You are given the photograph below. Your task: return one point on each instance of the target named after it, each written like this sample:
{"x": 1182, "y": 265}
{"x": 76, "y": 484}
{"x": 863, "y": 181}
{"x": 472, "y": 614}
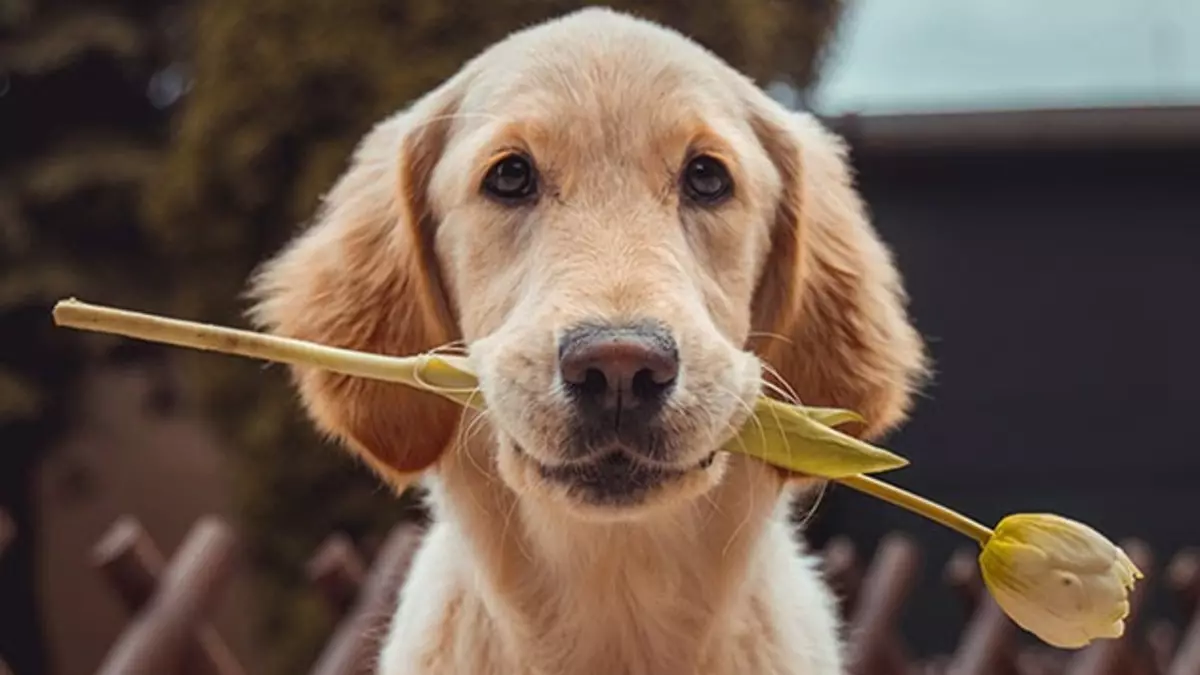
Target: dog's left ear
{"x": 830, "y": 308}
{"x": 364, "y": 276}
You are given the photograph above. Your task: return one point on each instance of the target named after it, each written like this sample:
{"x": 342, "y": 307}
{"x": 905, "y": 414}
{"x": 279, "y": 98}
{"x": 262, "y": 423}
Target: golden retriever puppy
{"x": 624, "y": 232}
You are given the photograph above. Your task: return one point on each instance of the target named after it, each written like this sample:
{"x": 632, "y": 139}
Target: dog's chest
{"x": 612, "y": 638}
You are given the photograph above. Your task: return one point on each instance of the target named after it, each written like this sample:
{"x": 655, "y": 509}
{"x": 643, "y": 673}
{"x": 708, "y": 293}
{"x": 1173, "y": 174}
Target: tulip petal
{"x": 1058, "y": 579}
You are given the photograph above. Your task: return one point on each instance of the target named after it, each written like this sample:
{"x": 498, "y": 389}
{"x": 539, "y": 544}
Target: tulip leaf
{"x": 802, "y": 440}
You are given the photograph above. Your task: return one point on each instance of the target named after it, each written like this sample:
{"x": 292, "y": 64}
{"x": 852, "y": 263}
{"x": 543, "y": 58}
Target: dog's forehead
{"x": 601, "y": 69}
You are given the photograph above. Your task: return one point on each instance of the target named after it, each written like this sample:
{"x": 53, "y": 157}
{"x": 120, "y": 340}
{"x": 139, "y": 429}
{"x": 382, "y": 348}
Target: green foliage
{"x": 70, "y": 184}
{"x": 78, "y": 140}
{"x": 282, "y": 91}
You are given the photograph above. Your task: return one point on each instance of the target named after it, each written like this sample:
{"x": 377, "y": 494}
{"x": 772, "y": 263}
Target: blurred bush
{"x": 80, "y": 136}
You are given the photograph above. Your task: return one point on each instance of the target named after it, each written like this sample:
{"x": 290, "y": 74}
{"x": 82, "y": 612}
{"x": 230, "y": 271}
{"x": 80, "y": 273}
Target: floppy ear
{"x": 364, "y": 277}
{"x": 830, "y": 291}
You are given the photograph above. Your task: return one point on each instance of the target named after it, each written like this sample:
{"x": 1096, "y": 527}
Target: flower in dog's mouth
{"x": 1057, "y": 578}
{"x": 801, "y": 440}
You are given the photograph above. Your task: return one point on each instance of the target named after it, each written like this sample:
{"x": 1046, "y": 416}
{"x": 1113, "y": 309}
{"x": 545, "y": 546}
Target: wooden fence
{"x": 168, "y": 599}
{"x": 7, "y": 533}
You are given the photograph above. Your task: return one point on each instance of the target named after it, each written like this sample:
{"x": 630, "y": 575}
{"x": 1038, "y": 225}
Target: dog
{"x": 629, "y": 237}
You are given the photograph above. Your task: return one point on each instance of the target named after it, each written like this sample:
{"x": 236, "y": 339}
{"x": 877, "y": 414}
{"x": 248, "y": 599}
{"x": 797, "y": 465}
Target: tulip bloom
{"x": 1058, "y": 579}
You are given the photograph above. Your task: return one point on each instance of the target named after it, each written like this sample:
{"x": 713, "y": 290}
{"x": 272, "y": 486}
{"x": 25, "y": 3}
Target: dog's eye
{"x": 706, "y": 180}
{"x": 511, "y": 179}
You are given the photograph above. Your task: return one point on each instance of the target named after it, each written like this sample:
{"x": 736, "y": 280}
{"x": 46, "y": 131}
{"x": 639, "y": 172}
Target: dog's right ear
{"x": 365, "y": 277}
{"x": 831, "y": 290}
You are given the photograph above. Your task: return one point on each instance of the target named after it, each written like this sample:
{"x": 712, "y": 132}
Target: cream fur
{"x": 516, "y": 577}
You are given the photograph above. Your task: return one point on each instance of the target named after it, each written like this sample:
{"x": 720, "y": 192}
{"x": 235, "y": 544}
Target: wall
{"x": 122, "y": 458}
{"x": 1060, "y": 293}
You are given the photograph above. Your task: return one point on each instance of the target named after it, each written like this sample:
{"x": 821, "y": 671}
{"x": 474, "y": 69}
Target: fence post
{"x": 1184, "y": 578}
{"x": 338, "y": 572}
{"x": 8, "y": 531}
{"x": 874, "y": 646}
{"x": 133, "y": 566}
{"x": 355, "y": 641}
{"x": 1112, "y": 657}
{"x": 986, "y": 645}
{"x": 843, "y": 572}
{"x": 173, "y": 602}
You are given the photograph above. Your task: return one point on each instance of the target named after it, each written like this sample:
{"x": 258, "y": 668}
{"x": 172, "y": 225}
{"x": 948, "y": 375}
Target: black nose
{"x": 618, "y": 375}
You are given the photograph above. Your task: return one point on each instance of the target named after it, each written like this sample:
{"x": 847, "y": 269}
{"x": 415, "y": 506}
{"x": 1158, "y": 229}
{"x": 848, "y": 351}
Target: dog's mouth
{"x": 615, "y": 478}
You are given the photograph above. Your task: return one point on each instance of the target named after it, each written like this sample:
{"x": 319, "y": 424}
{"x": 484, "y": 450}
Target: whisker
{"x": 788, "y": 450}
{"x": 476, "y": 425}
{"x": 812, "y": 508}
{"x": 781, "y": 386}
{"x": 456, "y": 347}
{"x": 745, "y": 520}
{"x": 465, "y": 434}
{"x": 758, "y": 423}
{"x": 824, "y": 485}
{"x": 518, "y": 540}
{"x": 773, "y": 336}
{"x": 783, "y": 394}
{"x": 716, "y": 508}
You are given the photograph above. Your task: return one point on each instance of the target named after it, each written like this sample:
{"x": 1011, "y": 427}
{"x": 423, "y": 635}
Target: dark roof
{"x": 1078, "y": 128}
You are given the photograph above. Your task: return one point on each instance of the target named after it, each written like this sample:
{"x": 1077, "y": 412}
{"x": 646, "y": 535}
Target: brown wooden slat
{"x": 129, "y": 562}
{"x": 354, "y": 645}
{"x": 1183, "y": 576}
{"x": 1187, "y": 659}
{"x": 8, "y": 531}
{"x": 1042, "y": 660}
{"x": 987, "y": 646}
{"x": 338, "y": 571}
{"x": 962, "y": 575}
{"x": 132, "y": 565}
{"x": 1161, "y": 640}
{"x": 843, "y": 572}
{"x": 1117, "y": 657}
{"x": 874, "y": 649}
{"x": 158, "y": 638}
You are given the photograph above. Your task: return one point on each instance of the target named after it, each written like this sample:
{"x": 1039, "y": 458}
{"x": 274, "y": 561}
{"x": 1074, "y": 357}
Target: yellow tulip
{"x": 1058, "y": 579}
{"x": 799, "y": 439}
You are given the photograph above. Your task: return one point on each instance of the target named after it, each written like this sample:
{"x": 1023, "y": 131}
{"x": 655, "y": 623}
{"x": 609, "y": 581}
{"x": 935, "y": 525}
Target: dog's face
{"x": 602, "y": 228}
{"x": 606, "y": 214}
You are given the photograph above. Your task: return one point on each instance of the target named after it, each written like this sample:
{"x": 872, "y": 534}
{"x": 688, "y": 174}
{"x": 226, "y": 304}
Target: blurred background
{"x": 1035, "y": 166}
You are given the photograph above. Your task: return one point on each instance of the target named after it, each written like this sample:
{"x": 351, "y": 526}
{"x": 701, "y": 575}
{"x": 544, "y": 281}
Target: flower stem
{"x": 919, "y": 505}
{"x": 448, "y": 376}
{"x": 411, "y": 371}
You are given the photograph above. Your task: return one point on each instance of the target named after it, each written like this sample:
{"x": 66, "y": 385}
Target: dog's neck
{"x": 655, "y": 594}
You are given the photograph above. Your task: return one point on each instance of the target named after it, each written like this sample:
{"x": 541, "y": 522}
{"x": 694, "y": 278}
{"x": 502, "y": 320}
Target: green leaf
{"x": 801, "y": 440}
{"x": 833, "y": 417}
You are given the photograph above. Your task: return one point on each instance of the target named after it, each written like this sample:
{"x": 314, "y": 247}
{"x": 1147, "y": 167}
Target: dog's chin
{"x": 614, "y": 486}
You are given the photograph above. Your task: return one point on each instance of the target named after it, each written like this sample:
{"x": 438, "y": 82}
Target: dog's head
{"x": 621, "y": 229}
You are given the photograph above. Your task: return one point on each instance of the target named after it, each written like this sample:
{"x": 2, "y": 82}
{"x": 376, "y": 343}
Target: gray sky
{"x": 926, "y": 55}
